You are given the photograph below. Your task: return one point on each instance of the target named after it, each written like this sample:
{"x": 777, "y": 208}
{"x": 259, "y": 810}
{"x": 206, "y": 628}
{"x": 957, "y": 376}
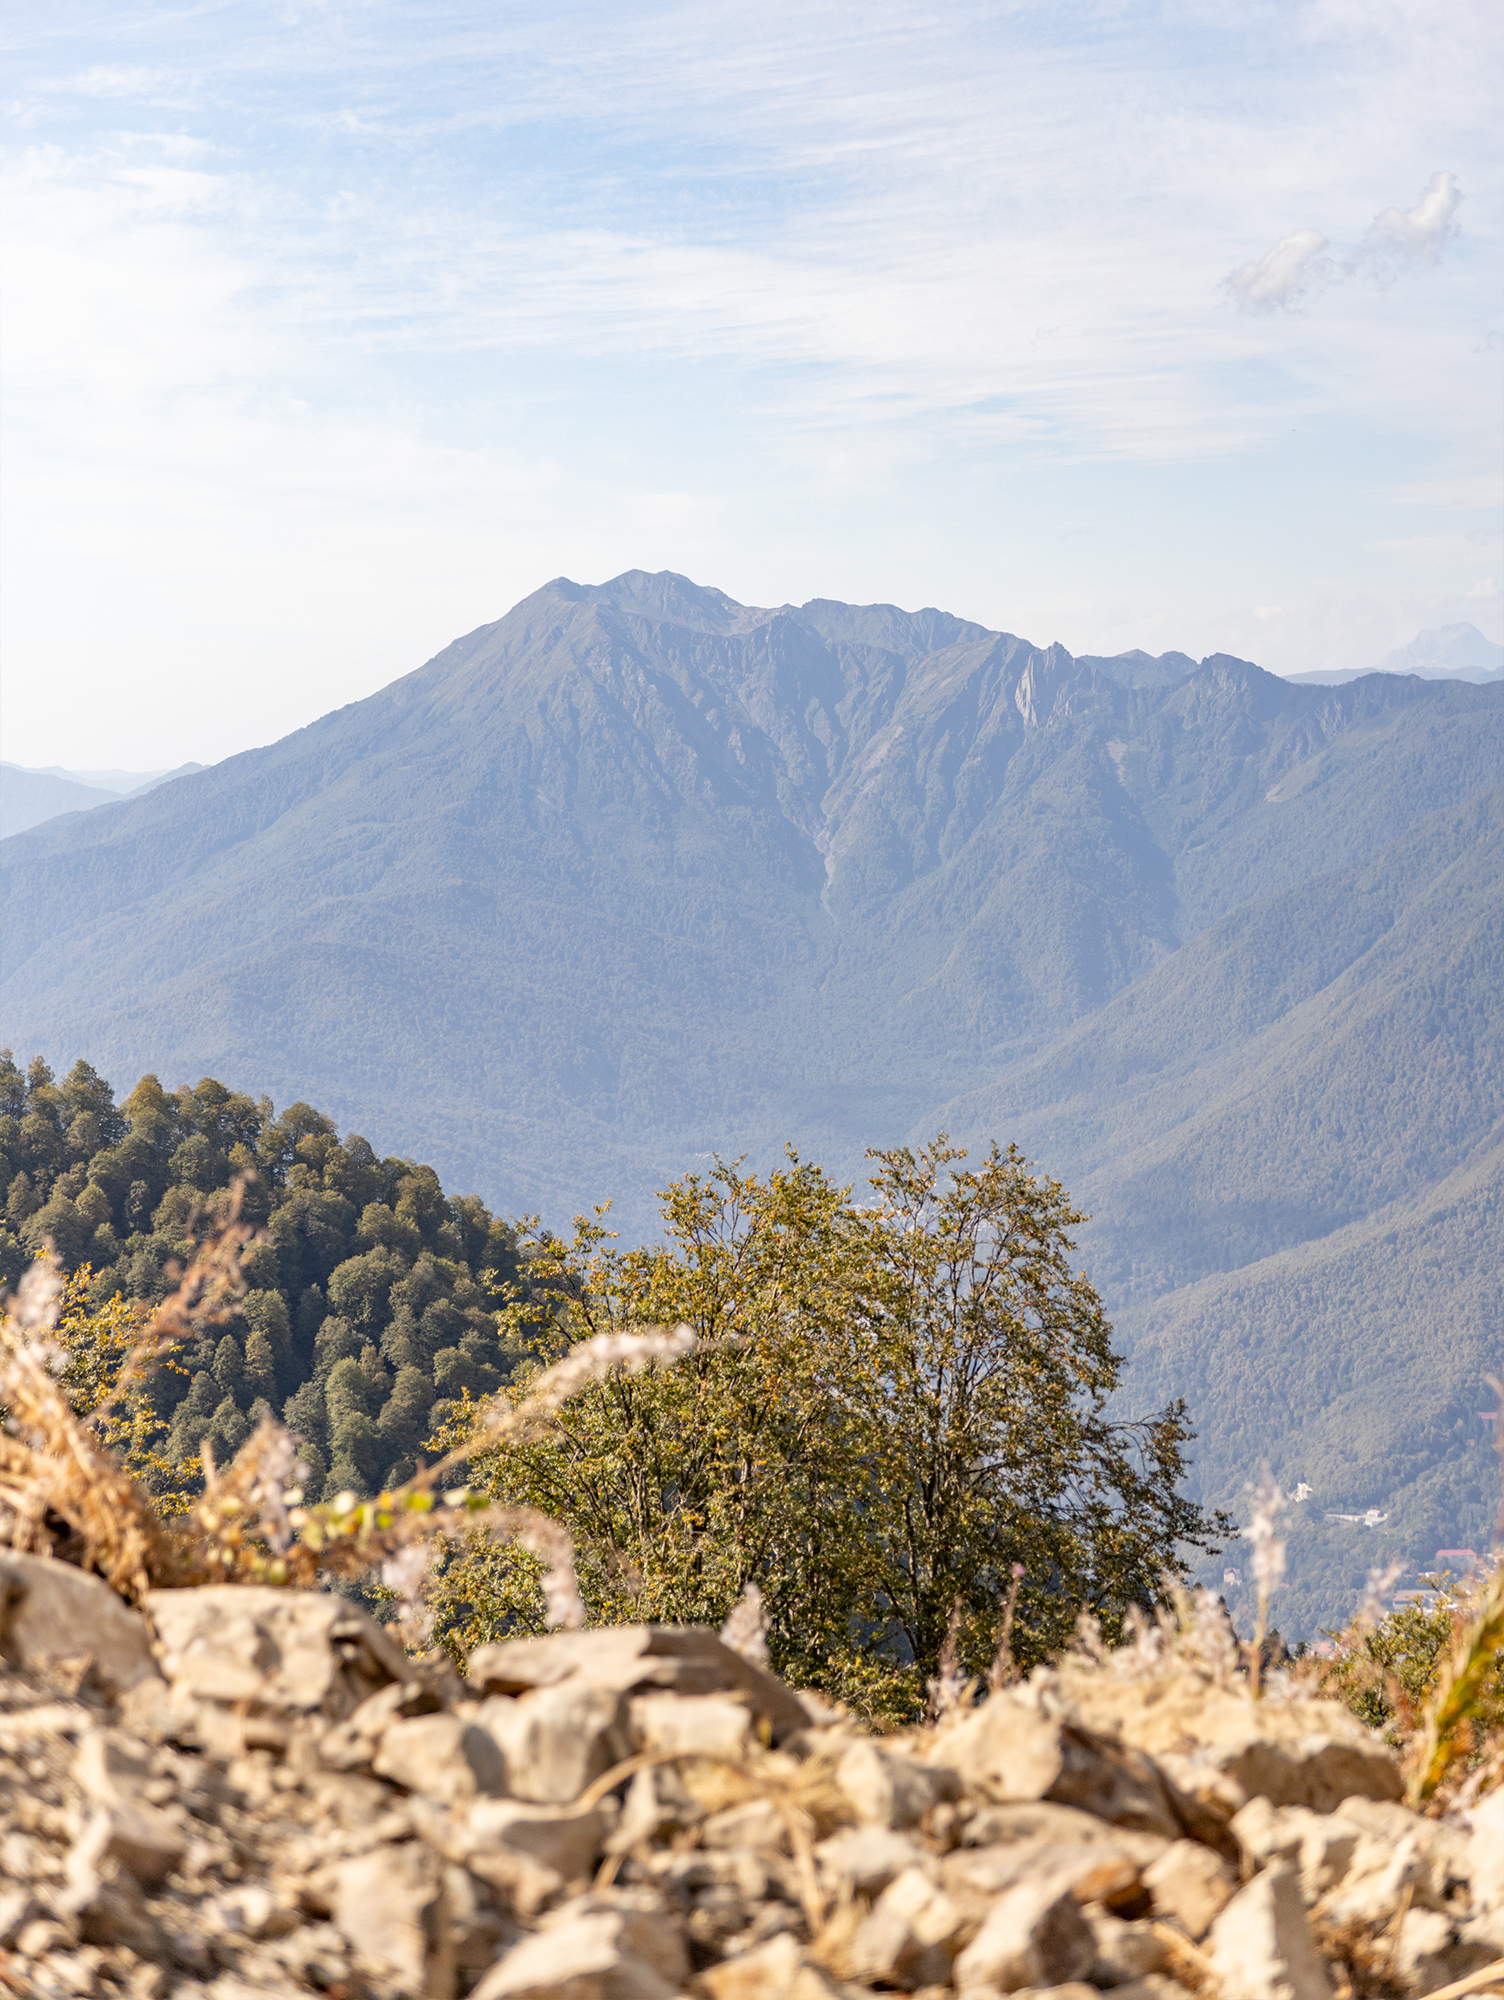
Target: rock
{"x": 294, "y": 1650}
{"x": 1260, "y": 1946}
{"x": 630, "y": 1659}
{"x": 591, "y": 1953}
{"x": 442, "y": 1756}
{"x": 352, "y": 1744}
{"x": 555, "y": 1739}
{"x": 52, "y": 1615}
{"x": 1320, "y": 1845}
{"x": 1429, "y": 1952}
{"x": 1190, "y": 1885}
{"x": 866, "y": 1858}
{"x": 1485, "y": 1851}
{"x": 1090, "y": 1870}
{"x": 1297, "y": 1753}
{"x": 1009, "y": 1748}
{"x": 255, "y": 1911}
{"x": 715, "y": 1725}
{"x": 1448, "y": 1852}
{"x": 1000, "y": 1825}
{"x": 1125, "y": 1951}
{"x": 886, "y": 1789}
{"x": 126, "y": 1829}
{"x": 911, "y": 1935}
{"x": 1034, "y": 1935}
{"x": 18, "y": 1908}
{"x": 390, "y": 1905}
{"x": 777, "y": 1970}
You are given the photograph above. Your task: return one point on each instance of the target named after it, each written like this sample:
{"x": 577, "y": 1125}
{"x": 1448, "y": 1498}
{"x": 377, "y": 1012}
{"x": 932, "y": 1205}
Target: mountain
{"x": 28, "y": 797}
{"x": 637, "y": 874}
{"x": 1444, "y": 653}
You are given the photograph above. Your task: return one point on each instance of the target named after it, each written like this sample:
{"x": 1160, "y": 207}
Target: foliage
{"x": 369, "y": 1301}
{"x": 1431, "y": 1676}
{"x": 64, "y": 1491}
{"x": 886, "y": 1408}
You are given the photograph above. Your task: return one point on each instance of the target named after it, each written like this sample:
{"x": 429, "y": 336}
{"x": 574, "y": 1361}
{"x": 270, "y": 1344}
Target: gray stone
{"x": 1125, "y": 1951}
{"x": 1010, "y": 1749}
{"x": 688, "y": 1659}
{"x": 442, "y": 1756}
{"x": 554, "y": 1740}
{"x": 390, "y": 1906}
{"x": 883, "y": 1788}
{"x": 1261, "y": 1947}
{"x": 1034, "y": 1935}
{"x": 866, "y": 1858}
{"x": 1297, "y": 1753}
{"x": 52, "y": 1614}
{"x": 593, "y": 1950}
{"x": 294, "y": 1650}
{"x": 911, "y": 1935}
{"x": 1190, "y": 1885}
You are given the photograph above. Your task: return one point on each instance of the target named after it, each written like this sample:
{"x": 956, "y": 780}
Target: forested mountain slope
{"x": 1291, "y": 1138}
{"x": 373, "y": 1298}
{"x": 637, "y": 874}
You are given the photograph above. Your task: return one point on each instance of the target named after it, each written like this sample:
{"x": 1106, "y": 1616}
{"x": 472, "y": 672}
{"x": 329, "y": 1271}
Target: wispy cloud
{"x": 1303, "y": 264}
{"x": 1285, "y": 275}
{"x": 1408, "y": 235}
{"x": 798, "y": 298}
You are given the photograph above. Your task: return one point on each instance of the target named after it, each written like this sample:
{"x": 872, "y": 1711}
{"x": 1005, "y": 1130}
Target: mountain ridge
{"x": 636, "y": 874}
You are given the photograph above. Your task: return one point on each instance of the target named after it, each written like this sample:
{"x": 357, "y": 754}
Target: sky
{"x": 335, "y": 329}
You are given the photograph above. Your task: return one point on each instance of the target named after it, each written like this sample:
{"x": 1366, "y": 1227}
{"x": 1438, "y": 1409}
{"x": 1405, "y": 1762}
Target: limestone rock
{"x": 1486, "y": 1851}
{"x": 688, "y": 1659}
{"x": 1033, "y": 1935}
{"x": 865, "y": 1859}
{"x": 1010, "y": 1748}
{"x": 389, "y": 1904}
{"x": 883, "y": 1788}
{"x": 1306, "y": 1753}
{"x": 715, "y": 1725}
{"x": 592, "y": 1951}
{"x": 1125, "y": 1951}
{"x": 1261, "y": 1946}
{"x": 53, "y": 1615}
{"x": 555, "y": 1739}
{"x": 442, "y": 1756}
{"x": 777, "y": 1970}
{"x": 291, "y": 1650}
{"x": 1190, "y": 1885}
{"x": 911, "y": 1935}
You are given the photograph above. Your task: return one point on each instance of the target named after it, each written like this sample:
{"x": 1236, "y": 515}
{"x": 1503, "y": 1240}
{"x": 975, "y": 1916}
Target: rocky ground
{"x": 251, "y": 1792}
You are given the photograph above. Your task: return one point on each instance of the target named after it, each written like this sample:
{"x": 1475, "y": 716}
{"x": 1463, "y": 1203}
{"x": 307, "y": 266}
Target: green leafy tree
{"x": 888, "y": 1407}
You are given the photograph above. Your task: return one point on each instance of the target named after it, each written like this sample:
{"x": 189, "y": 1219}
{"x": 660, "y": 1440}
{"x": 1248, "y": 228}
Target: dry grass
{"x": 1463, "y": 1700}
{"x": 55, "y": 1468}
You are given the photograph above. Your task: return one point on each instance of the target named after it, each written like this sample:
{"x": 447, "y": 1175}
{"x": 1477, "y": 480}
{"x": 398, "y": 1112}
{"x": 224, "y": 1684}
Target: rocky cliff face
{"x": 254, "y": 1792}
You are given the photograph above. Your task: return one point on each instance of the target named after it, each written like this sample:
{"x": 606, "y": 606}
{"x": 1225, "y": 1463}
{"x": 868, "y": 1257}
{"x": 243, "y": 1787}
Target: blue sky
{"x": 335, "y": 329}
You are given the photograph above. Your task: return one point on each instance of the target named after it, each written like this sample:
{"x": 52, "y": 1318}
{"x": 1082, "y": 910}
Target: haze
{"x": 334, "y": 331}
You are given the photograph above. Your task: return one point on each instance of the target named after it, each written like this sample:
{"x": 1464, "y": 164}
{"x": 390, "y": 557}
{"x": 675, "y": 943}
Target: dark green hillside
{"x": 372, "y": 1304}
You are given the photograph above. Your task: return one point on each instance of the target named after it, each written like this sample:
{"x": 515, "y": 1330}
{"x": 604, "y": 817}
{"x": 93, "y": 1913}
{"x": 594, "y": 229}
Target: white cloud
{"x": 1299, "y": 265}
{"x": 1283, "y": 276}
{"x": 1397, "y": 233}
